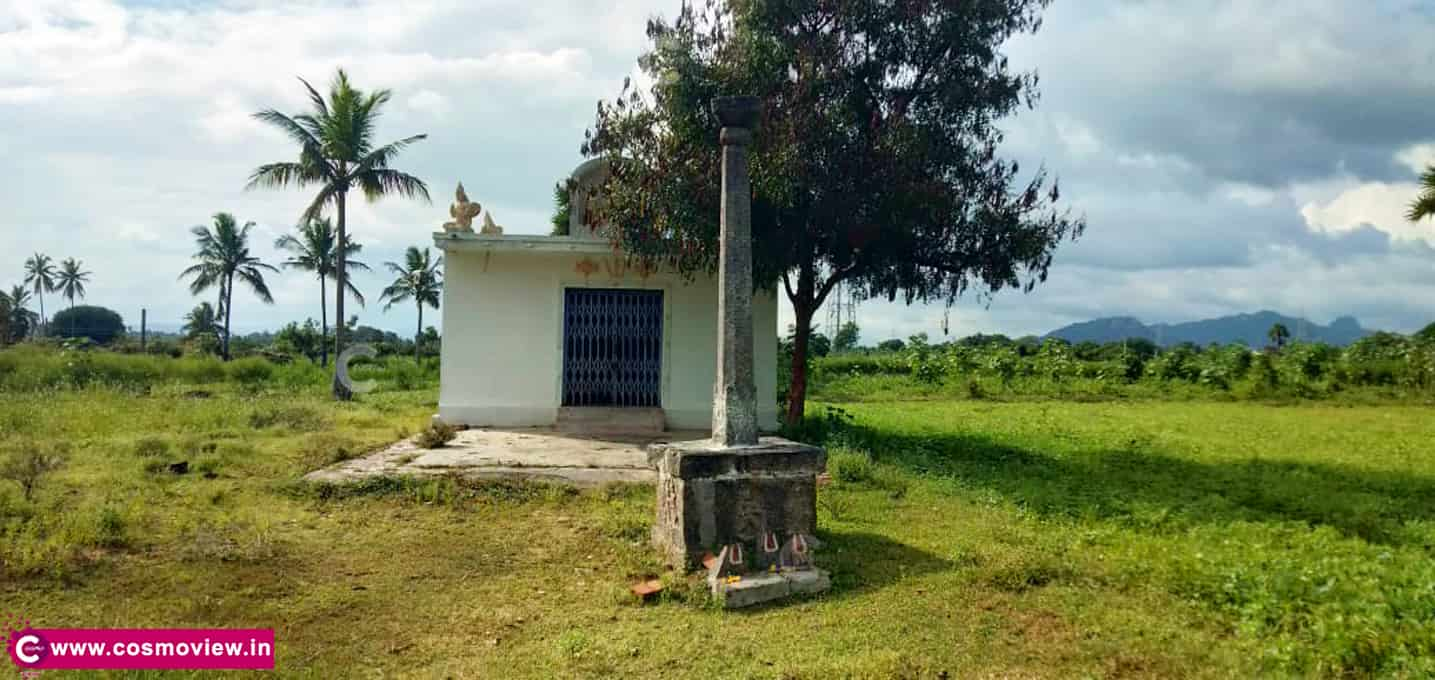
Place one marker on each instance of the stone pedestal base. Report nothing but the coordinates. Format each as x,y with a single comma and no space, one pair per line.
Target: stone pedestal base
711,496
766,587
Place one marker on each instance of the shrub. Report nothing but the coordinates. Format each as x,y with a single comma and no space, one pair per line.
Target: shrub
324,448
925,364
436,435
232,541
404,375
250,372
110,528
209,467
294,417
974,389
837,504
151,447
850,466
31,463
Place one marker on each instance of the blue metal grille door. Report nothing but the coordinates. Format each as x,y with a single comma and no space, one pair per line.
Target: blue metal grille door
612,347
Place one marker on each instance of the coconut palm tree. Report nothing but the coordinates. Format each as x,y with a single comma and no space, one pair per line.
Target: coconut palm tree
1424,204
200,320
40,275
4,319
315,250
71,280
1279,334
336,154
418,279
223,255
20,320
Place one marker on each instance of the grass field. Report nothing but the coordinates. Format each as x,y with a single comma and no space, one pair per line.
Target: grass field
1022,539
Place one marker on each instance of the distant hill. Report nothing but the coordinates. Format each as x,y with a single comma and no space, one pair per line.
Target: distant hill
1248,328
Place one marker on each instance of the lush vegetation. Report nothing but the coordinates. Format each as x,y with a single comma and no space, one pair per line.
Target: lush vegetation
1301,535
1382,365
1018,538
40,370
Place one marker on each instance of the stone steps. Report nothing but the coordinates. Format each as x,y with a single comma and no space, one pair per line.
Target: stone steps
592,420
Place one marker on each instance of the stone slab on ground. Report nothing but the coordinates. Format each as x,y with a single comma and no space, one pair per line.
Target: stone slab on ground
755,589
521,453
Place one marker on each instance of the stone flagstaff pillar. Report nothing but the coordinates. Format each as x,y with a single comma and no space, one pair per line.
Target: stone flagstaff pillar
734,391
746,505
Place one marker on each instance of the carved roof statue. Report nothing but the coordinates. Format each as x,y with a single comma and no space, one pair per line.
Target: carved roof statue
488,226
462,211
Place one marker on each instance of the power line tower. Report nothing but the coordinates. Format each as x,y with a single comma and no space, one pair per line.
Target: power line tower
841,308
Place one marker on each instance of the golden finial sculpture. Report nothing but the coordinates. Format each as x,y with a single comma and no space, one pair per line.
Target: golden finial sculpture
462,211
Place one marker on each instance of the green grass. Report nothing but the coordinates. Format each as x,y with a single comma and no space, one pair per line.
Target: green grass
976,538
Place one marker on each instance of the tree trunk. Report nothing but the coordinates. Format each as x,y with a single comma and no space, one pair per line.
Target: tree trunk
228,311
324,321
418,333
797,390
44,323
341,391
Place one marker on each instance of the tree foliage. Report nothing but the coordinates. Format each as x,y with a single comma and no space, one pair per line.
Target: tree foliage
222,254
562,210
87,321
337,152
876,161
1426,334
419,279
846,338
5,312
1278,335
71,280
40,276
891,345
202,320
316,249
20,321
1424,204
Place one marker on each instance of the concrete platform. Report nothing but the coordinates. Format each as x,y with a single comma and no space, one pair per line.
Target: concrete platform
523,453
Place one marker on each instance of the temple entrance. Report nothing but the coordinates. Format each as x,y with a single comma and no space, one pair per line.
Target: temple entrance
612,347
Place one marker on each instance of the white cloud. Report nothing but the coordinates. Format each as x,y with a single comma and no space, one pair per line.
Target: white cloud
1344,203
1079,139
1418,157
1375,204
1248,194
429,102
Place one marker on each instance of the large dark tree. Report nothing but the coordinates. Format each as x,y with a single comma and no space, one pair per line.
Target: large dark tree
876,162
99,324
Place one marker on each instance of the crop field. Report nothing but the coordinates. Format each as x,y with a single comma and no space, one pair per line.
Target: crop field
966,536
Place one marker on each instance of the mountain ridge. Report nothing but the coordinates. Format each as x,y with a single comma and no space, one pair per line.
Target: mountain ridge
1252,329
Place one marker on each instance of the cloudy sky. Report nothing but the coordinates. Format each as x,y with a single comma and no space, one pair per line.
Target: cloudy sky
1229,155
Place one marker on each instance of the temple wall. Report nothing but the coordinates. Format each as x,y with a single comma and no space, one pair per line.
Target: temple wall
503,347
